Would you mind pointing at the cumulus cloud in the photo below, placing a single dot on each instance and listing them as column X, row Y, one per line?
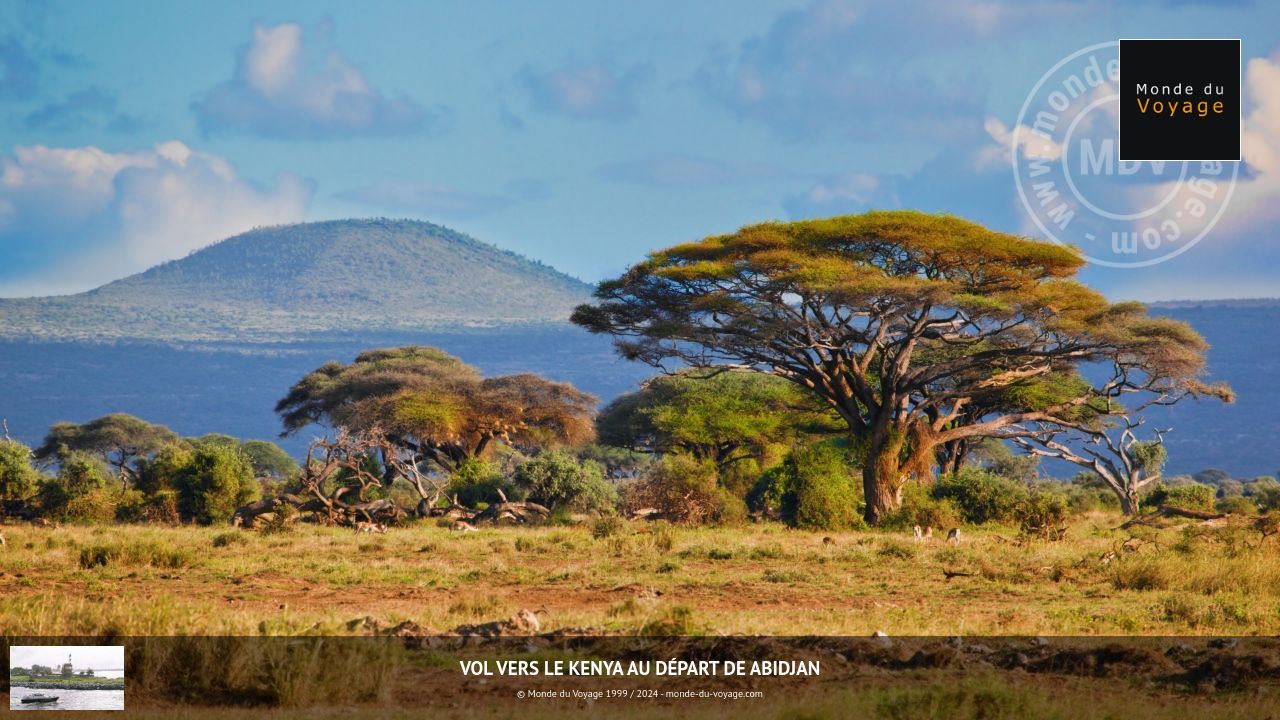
column 843, row 194
column 592, row 91
column 289, row 87
column 74, row 218
column 841, row 68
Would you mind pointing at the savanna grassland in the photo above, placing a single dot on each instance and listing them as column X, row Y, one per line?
column 635, row 578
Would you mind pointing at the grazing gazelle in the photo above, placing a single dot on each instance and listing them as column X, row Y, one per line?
column 953, row 536
column 368, row 527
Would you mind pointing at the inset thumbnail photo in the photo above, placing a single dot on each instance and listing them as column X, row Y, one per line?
column 66, row 677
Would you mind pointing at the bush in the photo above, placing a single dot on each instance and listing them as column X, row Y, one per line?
column 162, row 508
column 1192, row 496
column 607, row 526
column 160, row 473
column 557, row 479
column 920, row 507
column 1082, row 499
column 18, row 480
column 981, row 496
column 813, row 488
column 78, row 493
column 137, row 552
column 476, row 481
column 1042, row 514
column 730, row 509
column 218, row 480
column 130, row 506
column 1236, row 505
column 93, row 507
column 684, row 490
column 1266, row 495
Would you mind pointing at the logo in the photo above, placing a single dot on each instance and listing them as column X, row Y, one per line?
column 1077, row 189
column 1180, row 100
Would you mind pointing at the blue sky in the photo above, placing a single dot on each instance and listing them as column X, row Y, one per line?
column 580, row 133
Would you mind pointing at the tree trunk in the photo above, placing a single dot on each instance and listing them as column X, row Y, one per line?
column 1129, row 501
column 882, row 476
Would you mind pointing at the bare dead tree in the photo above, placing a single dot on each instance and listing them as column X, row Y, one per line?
column 1124, row 462
column 347, row 453
column 416, row 469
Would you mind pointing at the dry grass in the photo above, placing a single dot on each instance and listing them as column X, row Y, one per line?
column 758, row 579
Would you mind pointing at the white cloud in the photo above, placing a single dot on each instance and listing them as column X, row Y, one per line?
column 74, row 218
column 586, row 90
column 288, row 88
column 852, row 192
column 842, row 67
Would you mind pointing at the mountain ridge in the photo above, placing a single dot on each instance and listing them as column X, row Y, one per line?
column 289, row 281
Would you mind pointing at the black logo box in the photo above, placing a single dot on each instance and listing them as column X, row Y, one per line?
column 1185, row 65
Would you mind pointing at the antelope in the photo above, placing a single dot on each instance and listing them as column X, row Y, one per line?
column 462, row 526
column 953, row 536
column 368, row 527
column 917, row 534
column 928, row 532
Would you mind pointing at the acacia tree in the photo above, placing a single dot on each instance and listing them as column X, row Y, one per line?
column 434, row 410
column 902, row 322
column 724, row 418
column 1126, row 464
column 119, row 439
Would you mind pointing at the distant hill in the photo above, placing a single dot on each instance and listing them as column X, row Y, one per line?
column 290, row 281
column 1225, row 303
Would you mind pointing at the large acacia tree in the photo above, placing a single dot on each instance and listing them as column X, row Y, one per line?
column 434, row 410
column 920, row 331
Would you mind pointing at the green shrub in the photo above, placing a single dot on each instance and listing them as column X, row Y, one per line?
column 1236, row 505
column 476, row 481
column 981, row 496
column 1266, row 495
column 1086, row 499
column 728, row 508
column 557, row 479
column 218, row 480
column 607, row 526
column 227, row 539
column 814, row 488
column 1192, row 496
column 136, row 552
column 18, row 480
column 1042, row 514
column 162, row 508
column 679, row 487
column 920, row 507
column 131, row 507
column 160, row 473
column 79, row 492
column 93, row 507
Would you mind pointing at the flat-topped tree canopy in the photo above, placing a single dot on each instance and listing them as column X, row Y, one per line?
column 919, row 330
column 118, row 438
column 436, row 406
